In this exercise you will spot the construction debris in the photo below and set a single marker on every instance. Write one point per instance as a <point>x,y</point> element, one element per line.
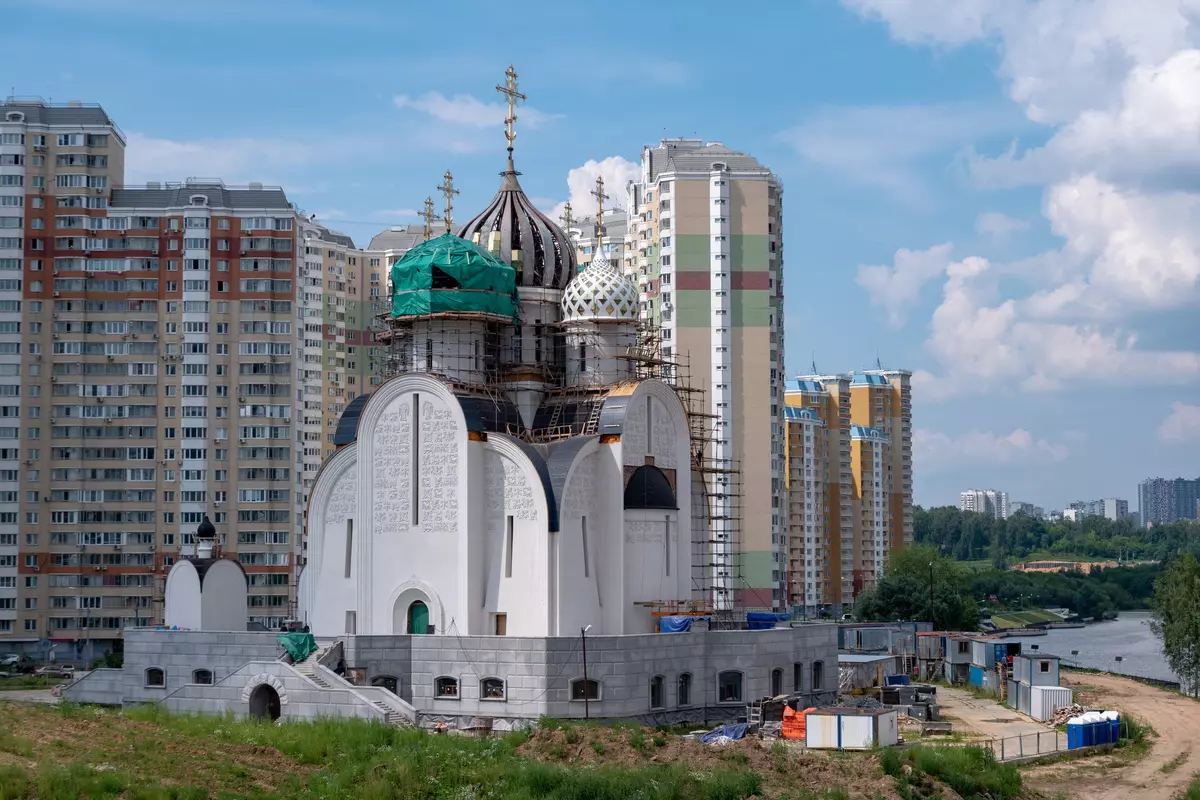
<point>1065,713</point>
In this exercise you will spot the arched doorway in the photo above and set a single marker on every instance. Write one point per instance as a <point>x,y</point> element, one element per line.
<point>418,617</point>
<point>264,703</point>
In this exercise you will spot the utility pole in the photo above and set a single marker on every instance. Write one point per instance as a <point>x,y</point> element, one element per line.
<point>932,615</point>
<point>587,711</point>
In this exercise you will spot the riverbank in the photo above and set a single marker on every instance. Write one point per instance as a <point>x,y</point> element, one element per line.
<point>1124,646</point>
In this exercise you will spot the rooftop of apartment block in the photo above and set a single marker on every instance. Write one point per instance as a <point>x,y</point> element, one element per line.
<point>697,155</point>
<point>797,414</point>
<point>214,192</point>
<point>806,384</point>
<point>864,432</point>
<point>37,111</point>
<point>404,237</point>
<point>330,235</point>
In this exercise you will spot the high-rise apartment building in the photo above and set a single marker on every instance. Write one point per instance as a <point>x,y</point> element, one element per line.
<point>1163,500</point>
<point>985,501</point>
<point>170,351</point>
<point>849,469</point>
<point>1110,508</point>
<point>1028,509</point>
<point>704,242</point>
<point>612,244</point>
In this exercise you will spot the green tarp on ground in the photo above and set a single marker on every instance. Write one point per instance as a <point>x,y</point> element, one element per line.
<point>449,274</point>
<point>298,645</point>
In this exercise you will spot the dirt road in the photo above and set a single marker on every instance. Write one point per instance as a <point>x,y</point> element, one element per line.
<point>1114,777</point>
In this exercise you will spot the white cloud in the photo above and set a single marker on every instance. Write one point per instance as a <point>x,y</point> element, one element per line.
<point>1059,57</point>
<point>1181,425</point>
<point>886,146</point>
<point>236,161</point>
<point>465,109</point>
<point>933,451</point>
<point>1150,131</point>
<point>999,225</point>
<point>1119,85</point>
<point>581,182</point>
<point>897,288</point>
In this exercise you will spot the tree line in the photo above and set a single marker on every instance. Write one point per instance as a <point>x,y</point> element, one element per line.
<point>967,536</point>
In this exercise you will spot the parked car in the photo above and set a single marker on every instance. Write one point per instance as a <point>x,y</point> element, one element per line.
<point>55,671</point>
<point>15,664</point>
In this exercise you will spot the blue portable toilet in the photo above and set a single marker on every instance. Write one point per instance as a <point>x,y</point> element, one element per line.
<point>1074,733</point>
<point>1087,732</point>
<point>1095,728</point>
<point>1113,718</point>
<point>976,675</point>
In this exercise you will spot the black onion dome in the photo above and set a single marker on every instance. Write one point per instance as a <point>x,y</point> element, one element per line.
<point>534,246</point>
<point>206,530</point>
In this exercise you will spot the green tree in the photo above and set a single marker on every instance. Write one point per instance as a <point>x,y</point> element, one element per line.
<point>1176,620</point>
<point>904,591</point>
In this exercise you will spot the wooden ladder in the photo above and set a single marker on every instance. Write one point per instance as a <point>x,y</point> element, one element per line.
<point>593,420</point>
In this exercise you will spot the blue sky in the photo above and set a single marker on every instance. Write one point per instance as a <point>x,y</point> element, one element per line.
<point>1001,195</point>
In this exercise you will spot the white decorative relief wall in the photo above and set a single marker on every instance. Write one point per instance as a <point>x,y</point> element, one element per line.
<point>391,467</point>
<point>582,488</point>
<point>439,469</point>
<point>633,433</point>
<point>341,502</point>
<point>518,495</point>
<point>647,532</point>
<point>663,442</point>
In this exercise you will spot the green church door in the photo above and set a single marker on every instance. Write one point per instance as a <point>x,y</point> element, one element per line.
<point>418,617</point>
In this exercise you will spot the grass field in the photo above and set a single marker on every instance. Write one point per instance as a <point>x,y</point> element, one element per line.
<point>1021,619</point>
<point>80,752</point>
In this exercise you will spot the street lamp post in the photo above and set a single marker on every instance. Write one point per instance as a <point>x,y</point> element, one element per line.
<point>932,616</point>
<point>587,711</point>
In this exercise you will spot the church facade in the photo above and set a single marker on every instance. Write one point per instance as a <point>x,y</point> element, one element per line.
<point>430,523</point>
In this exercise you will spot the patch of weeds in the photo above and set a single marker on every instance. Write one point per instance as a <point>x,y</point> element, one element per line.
<point>11,743</point>
<point>571,735</point>
<point>1193,791</point>
<point>658,740</point>
<point>736,757</point>
<point>551,724</point>
<point>780,757</point>
<point>1174,764</point>
<point>637,738</point>
<point>598,746</point>
<point>973,772</point>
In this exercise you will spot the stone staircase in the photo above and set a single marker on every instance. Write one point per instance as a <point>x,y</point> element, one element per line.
<point>333,682</point>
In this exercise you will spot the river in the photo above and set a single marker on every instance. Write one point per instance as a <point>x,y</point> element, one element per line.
<point>1098,645</point>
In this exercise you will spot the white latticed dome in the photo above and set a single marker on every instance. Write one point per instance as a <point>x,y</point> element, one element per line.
<point>600,293</point>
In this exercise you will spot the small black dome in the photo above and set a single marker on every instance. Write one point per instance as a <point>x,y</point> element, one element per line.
<point>648,487</point>
<point>206,530</point>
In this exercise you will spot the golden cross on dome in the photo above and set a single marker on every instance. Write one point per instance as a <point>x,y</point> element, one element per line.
<point>429,217</point>
<point>566,218</point>
<point>447,188</point>
<point>600,198</point>
<point>509,90</point>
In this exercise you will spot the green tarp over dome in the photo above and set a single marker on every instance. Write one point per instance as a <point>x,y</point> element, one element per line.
<point>449,274</point>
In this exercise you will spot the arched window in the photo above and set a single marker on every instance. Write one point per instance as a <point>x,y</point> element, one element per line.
<point>776,682</point>
<point>585,690</point>
<point>684,690</point>
<point>445,688</point>
<point>729,687</point>
<point>203,676</point>
<point>797,677</point>
<point>649,488</point>
<point>156,677</point>
<point>386,682</point>
<point>818,676</point>
<point>491,689</point>
<point>658,692</point>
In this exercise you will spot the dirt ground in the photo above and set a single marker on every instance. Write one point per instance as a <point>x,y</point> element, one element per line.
<point>1162,774</point>
<point>784,773</point>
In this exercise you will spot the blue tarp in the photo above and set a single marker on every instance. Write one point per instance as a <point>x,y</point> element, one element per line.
<point>763,620</point>
<point>736,731</point>
<point>675,624</point>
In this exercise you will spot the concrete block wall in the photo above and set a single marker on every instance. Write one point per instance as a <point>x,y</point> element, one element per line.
<point>100,686</point>
<point>180,653</point>
<point>300,698</point>
<point>538,671</point>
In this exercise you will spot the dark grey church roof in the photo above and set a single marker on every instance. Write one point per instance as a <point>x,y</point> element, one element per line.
<point>203,565</point>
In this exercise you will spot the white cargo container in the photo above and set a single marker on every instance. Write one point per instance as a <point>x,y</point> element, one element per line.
<point>851,728</point>
<point>1045,700</point>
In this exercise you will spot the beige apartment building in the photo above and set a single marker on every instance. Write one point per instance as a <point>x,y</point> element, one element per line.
<point>704,241</point>
<point>167,352</point>
<point>849,475</point>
